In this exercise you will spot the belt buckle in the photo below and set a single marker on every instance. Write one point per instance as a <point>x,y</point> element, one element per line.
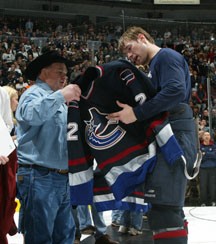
<point>62,171</point>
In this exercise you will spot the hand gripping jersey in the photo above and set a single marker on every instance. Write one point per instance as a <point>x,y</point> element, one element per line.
<point>124,153</point>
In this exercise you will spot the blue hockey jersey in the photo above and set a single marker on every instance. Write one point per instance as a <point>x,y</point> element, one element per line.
<point>124,154</point>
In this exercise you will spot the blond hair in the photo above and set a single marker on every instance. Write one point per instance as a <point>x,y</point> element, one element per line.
<point>131,34</point>
<point>12,93</point>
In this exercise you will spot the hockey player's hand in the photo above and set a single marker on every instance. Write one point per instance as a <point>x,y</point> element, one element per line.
<point>126,115</point>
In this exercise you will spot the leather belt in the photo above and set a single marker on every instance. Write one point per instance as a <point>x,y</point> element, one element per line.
<point>35,166</point>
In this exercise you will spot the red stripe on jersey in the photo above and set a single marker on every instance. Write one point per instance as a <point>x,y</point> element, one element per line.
<point>122,154</point>
<point>79,161</point>
<point>138,193</point>
<point>170,234</point>
<point>98,189</point>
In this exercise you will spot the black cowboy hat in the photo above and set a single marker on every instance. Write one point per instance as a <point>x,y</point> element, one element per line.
<point>46,59</point>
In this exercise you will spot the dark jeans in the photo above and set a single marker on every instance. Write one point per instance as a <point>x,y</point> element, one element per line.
<point>207,185</point>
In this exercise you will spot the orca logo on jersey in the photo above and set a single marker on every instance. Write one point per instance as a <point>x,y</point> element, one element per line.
<point>102,133</point>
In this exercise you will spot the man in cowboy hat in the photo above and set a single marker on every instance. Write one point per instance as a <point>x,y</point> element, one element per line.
<point>42,177</point>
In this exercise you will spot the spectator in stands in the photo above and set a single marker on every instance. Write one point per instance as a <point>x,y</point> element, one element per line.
<point>202,95</point>
<point>8,56</point>
<point>29,25</point>
<point>75,72</point>
<point>208,171</point>
<point>203,125</point>
<point>205,116</point>
<point>196,111</point>
<point>22,53</point>
<point>213,119</point>
<point>10,79</point>
<point>195,99</point>
<point>15,67</point>
<point>195,79</point>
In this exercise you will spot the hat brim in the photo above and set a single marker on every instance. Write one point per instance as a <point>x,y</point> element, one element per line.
<point>34,68</point>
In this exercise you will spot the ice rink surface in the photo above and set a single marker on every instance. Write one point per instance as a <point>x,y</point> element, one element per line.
<point>202,225</point>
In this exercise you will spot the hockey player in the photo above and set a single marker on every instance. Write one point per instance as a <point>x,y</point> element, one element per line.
<point>165,185</point>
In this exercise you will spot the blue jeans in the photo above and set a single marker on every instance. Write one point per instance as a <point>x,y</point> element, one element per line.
<point>82,218</point>
<point>132,219</point>
<point>116,215</point>
<point>45,207</point>
<point>98,222</point>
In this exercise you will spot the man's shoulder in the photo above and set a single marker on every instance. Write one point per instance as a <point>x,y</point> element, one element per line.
<point>169,51</point>
<point>33,91</point>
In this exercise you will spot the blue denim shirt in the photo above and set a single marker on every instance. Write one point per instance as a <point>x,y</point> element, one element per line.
<point>42,127</point>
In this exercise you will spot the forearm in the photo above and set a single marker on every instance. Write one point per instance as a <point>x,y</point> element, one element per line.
<point>158,104</point>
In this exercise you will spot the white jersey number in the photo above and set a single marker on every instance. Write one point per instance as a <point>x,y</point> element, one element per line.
<point>141,97</point>
<point>71,133</point>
